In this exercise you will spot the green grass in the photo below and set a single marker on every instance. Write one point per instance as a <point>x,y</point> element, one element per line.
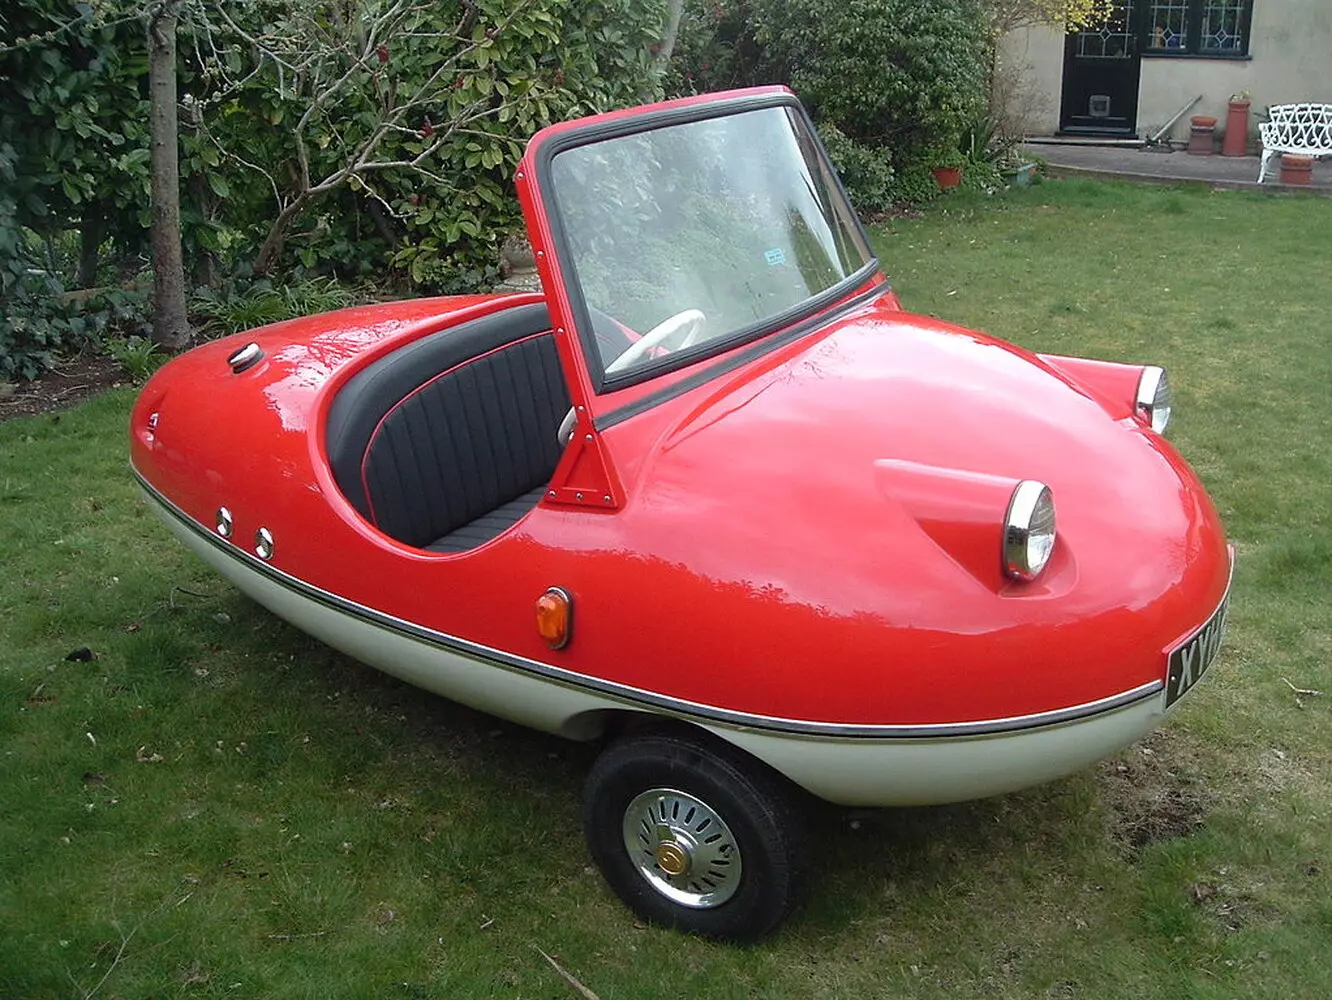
<point>218,806</point>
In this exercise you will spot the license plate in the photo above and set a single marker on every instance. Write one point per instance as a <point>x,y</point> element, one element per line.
<point>1191,658</point>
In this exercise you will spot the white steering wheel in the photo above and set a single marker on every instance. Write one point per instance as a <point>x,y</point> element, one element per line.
<point>689,322</point>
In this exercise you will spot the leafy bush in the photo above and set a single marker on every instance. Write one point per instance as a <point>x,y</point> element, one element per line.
<point>892,73</point>
<point>404,159</point>
<point>280,96</point>
<point>73,106</point>
<point>139,356</point>
<point>40,320</point>
<point>868,176</point>
<point>263,302</point>
<point>892,84</point>
<point>716,49</point>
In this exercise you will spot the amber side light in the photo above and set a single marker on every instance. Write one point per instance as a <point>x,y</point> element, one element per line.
<point>554,617</point>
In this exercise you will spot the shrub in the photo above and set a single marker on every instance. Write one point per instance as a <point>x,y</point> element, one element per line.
<point>892,73</point>
<point>889,82</point>
<point>40,320</point>
<point>409,164</point>
<point>263,302</point>
<point>868,176</point>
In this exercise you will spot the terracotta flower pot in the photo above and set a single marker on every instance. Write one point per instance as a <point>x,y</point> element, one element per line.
<point>1202,131</point>
<point>1296,169</point>
<point>947,177</point>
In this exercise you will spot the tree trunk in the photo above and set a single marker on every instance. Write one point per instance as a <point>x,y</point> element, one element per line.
<point>171,326</point>
<point>90,241</point>
<point>674,8</point>
<point>277,236</point>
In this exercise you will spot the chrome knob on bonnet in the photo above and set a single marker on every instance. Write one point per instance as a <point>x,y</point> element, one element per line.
<point>244,358</point>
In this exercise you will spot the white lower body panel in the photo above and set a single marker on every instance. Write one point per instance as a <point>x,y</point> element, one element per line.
<point>851,770</point>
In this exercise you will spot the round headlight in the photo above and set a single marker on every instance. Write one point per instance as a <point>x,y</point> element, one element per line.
<point>1029,530</point>
<point>1154,397</point>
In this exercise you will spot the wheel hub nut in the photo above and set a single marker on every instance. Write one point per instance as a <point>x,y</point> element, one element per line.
<point>672,858</point>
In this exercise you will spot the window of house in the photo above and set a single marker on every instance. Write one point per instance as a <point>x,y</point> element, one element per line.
<point>1217,28</point>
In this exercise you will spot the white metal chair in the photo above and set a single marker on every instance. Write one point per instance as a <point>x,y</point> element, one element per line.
<point>1301,129</point>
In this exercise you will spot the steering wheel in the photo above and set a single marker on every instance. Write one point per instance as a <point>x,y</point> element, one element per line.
<point>689,322</point>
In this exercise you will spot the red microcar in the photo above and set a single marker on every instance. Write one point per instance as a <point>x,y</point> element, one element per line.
<point>715,499</point>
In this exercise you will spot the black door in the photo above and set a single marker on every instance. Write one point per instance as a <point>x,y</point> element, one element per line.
<point>1101,69</point>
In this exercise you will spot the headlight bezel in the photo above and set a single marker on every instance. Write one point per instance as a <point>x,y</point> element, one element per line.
<point>1154,400</point>
<point>1030,531</point>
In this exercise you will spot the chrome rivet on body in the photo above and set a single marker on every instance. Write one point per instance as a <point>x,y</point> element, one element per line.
<point>263,543</point>
<point>224,522</point>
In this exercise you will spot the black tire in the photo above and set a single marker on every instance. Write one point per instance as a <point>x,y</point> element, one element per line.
<point>764,834</point>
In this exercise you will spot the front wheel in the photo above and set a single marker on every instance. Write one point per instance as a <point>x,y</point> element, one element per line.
<point>695,835</point>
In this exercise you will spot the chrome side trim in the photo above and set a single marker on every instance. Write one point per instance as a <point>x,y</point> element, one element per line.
<point>636,697</point>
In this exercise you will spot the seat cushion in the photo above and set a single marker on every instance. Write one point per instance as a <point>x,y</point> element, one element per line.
<point>488,526</point>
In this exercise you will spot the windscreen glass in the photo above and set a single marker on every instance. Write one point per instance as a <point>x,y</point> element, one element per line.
<point>685,236</point>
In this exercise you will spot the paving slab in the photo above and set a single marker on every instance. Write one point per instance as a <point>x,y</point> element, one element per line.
<point>1155,165</point>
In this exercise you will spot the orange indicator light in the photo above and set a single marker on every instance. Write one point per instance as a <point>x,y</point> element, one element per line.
<point>554,617</point>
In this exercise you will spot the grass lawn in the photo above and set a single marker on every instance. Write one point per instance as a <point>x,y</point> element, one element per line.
<point>217,806</point>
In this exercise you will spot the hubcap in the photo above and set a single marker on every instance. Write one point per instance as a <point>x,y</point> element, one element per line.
<point>682,847</point>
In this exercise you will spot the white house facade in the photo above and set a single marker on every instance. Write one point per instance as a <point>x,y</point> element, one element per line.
<point>1147,64</point>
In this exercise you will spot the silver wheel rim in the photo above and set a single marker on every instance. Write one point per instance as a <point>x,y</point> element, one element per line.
<point>682,847</point>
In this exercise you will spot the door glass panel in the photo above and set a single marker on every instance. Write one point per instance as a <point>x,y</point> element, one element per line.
<point>1112,40</point>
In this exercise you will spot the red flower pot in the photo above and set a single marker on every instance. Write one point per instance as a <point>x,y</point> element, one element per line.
<point>1296,169</point>
<point>947,177</point>
<point>1202,129</point>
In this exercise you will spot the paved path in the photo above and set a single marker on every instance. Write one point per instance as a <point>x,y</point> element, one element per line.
<point>1153,166</point>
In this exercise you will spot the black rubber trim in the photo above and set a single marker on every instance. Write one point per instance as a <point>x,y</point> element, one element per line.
<point>637,698</point>
<point>646,122</point>
<point>738,359</point>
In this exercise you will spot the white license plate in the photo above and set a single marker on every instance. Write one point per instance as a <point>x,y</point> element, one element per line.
<point>1191,658</point>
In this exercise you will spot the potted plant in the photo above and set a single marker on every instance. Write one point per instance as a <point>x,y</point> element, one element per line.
<point>1017,170</point>
<point>946,161</point>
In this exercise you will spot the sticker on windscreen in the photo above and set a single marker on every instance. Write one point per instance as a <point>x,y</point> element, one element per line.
<point>775,257</point>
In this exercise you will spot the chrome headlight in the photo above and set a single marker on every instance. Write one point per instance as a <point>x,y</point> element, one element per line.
<point>1154,397</point>
<point>1029,530</point>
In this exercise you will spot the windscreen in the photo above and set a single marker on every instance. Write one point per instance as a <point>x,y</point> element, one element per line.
<point>687,235</point>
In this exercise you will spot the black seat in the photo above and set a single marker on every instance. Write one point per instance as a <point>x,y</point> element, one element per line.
<point>449,441</point>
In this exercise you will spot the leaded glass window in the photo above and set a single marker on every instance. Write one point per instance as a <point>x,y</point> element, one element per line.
<point>1169,23</point>
<point>1198,27</point>
<point>1223,26</point>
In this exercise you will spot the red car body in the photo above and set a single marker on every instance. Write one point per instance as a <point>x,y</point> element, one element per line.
<point>792,543</point>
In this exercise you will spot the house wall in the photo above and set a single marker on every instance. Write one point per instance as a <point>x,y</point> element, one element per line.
<point>1029,76</point>
<point>1291,60</point>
